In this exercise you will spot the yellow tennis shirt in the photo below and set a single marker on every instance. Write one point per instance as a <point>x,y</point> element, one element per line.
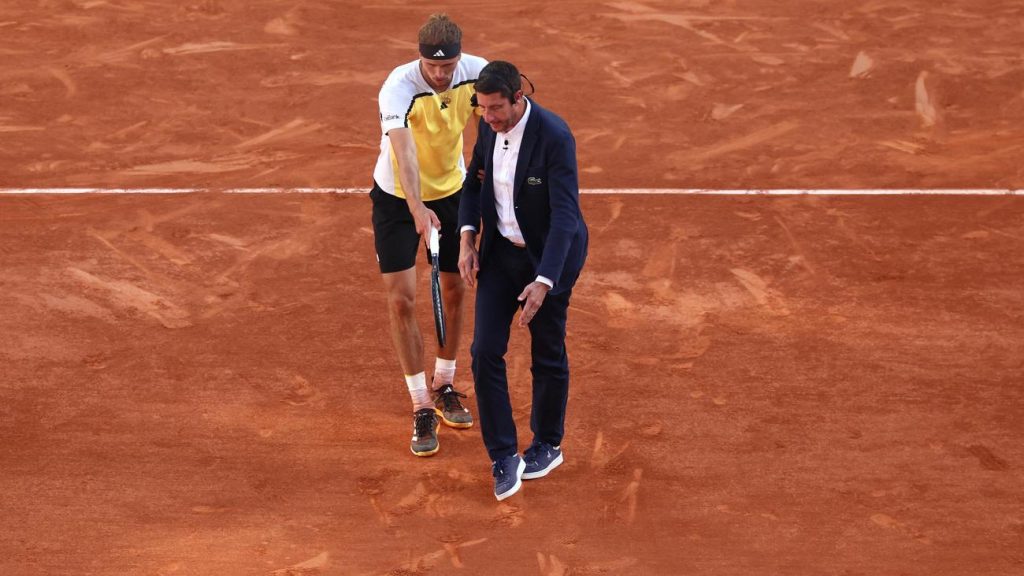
<point>436,121</point>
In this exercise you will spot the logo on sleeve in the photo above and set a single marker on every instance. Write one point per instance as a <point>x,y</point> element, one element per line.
<point>389,117</point>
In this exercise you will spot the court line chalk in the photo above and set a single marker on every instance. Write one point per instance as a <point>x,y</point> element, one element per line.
<point>627,191</point>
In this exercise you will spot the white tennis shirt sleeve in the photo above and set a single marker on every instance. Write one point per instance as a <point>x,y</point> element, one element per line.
<point>395,99</point>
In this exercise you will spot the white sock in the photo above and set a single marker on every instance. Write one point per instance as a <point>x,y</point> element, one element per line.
<point>417,384</point>
<point>444,373</point>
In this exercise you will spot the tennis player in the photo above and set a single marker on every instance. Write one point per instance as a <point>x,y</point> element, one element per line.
<point>424,109</point>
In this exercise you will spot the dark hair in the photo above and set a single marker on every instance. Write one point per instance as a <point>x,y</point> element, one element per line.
<point>501,77</point>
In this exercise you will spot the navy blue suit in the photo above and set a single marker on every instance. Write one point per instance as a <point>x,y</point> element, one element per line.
<point>546,204</point>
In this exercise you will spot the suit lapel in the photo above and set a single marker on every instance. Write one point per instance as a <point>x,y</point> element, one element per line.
<point>526,148</point>
<point>490,140</point>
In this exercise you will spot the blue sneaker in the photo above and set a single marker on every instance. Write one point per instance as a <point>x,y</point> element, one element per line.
<point>507,474</point>
<point>540,459</point>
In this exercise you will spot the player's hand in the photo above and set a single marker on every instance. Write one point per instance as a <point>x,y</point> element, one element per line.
<point>425,219</point>
<point>480,174</point>
<point>533,298</point>
<point>469,258</point>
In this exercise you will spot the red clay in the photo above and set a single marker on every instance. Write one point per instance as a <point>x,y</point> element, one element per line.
<point>201,384</point>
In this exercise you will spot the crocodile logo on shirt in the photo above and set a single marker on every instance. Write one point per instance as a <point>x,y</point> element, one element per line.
<point>534,181</point>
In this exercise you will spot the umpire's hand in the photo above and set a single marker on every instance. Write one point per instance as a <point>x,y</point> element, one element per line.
<point>532,298</point>
<point>469,258</point>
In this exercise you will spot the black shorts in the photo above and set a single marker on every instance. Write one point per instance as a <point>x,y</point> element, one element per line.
<point>395,237</point>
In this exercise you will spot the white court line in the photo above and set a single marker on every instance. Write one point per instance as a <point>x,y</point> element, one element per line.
<point>639,191</point>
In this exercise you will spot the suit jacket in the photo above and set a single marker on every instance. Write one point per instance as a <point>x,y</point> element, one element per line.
<point>546,198</point>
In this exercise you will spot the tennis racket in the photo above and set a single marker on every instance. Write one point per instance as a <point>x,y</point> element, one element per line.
<point>433,249</point>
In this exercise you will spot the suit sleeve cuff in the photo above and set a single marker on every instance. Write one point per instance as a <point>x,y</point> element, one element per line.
<point>545,281</point>
<point>464,228</point>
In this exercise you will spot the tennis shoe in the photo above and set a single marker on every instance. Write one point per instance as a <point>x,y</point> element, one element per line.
<point>540,459</point>
<point>450,408</point>
<point>424,432</point>
<point>507,474</point>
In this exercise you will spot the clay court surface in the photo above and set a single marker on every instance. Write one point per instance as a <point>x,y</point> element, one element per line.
<point>203,384</point>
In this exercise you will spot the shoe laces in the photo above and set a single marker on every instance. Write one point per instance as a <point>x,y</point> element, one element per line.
<point>536,449</point>
<point>423,424</point>
<point>498,468</point>
<point>450,398</point>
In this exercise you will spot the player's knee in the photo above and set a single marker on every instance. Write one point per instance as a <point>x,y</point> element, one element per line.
<point>454,291</point>
<point>402,305</point>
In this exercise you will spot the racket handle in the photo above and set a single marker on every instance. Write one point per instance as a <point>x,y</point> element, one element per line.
<point>434,243</point>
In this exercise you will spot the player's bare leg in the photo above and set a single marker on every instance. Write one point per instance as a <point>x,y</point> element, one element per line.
<point>446,397</point>
<point>453,292</point>
<point>405,331</point>
<point>408,342</point>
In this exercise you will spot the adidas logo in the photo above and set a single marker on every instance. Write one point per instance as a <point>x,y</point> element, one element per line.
<point>439,53</point>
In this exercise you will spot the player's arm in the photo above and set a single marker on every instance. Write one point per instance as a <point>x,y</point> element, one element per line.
<point>409,175</point>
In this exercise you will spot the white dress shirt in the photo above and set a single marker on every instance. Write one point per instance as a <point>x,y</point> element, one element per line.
<point>505,158</point>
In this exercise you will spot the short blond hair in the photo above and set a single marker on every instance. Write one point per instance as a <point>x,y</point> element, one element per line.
<point>439,30</point>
